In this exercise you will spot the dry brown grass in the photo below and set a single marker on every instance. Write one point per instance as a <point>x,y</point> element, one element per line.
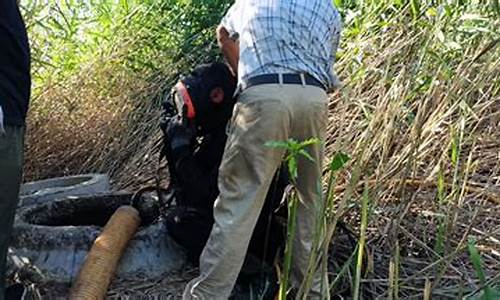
<point>92,122</point>
<point>400,146</point>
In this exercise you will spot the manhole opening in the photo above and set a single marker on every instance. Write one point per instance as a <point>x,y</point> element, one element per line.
<point>85,211</point>
<point>65,182</point>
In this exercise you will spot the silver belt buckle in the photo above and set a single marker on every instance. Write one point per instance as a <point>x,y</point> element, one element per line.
<point>2,129</point>
<point>303,79</point>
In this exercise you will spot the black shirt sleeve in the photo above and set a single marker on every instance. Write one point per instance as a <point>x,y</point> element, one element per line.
<point>15,80</point>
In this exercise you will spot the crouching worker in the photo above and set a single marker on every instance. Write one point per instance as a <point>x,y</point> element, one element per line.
<point>195,124</point>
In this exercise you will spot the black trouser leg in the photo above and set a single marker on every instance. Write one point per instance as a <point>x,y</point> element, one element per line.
<point>11,160</point>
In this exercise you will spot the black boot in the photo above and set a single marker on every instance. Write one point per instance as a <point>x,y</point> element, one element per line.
<point>14,292</point>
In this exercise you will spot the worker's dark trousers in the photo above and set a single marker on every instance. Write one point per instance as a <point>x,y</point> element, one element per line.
<point>11,161</point>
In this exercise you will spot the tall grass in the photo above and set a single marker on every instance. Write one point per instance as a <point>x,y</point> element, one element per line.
<point>418,114</point>
<point>417,111</point>
<point>100,70</point>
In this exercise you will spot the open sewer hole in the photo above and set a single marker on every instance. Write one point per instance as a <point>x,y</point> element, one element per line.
<point>86,211</point>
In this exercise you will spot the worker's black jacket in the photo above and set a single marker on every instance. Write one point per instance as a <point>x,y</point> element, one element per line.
<point>194,173</point>
<point>15,81</point>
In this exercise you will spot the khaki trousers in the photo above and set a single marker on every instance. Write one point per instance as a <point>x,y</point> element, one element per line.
<point>269,112</point>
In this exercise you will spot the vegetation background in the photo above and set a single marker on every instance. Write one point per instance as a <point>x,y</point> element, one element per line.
<point>419,114</point>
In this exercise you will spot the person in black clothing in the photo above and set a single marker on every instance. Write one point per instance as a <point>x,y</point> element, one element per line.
<point>194,127</point>
<point>15,86</point>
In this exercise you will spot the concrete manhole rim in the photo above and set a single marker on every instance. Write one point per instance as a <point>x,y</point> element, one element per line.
<point>50,189</point>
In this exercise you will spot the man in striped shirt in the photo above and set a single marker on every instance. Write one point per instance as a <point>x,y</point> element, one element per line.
<point>283,53</point>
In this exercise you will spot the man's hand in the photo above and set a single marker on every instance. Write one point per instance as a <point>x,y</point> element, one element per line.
<point>230,48</point>
<point>167,115</point>
<point>179,135</point>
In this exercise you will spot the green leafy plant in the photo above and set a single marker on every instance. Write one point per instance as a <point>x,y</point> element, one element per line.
<point>294,150</point>
<point>488,292</point>
<point>361,243</point>
<point>321,242</point>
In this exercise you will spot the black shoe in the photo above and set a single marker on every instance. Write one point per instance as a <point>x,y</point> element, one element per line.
<point>14,292</point>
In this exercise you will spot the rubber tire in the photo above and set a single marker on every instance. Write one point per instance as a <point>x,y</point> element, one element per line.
<point>58,251</point>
